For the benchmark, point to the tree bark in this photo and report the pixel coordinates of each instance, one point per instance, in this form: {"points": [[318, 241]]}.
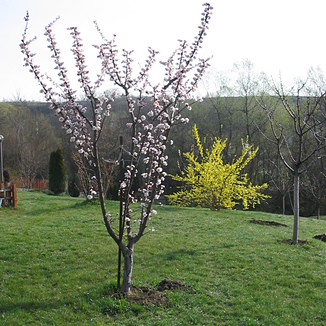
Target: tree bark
{"points": [[296, 208], [128, 256]]}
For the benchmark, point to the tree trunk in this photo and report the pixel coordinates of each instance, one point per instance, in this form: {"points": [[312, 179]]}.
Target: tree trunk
{"points": [[128, 256], [296, 208]]}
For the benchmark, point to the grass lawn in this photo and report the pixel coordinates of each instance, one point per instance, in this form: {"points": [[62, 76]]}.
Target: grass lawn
{"points": [[58, 267]]}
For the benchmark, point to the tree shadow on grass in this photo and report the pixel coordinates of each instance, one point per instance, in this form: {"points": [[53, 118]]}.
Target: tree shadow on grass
{"points": [[268, 223], [179, 254], [290, 242], [109, 300], [286, 241], [30, 306], [36, 211]]}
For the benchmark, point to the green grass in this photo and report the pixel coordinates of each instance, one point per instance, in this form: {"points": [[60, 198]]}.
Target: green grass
{"points": [[57, 266]]}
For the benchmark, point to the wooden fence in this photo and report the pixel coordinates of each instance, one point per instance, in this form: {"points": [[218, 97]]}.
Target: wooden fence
{"points": [[36, 184], [8, 195]]}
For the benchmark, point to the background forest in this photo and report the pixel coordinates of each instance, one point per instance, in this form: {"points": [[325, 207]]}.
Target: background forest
{"points": [[239, 106]]}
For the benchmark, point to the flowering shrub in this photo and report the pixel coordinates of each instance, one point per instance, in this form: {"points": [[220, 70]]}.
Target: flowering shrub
{"points": [[152, 109], [209, 182]]}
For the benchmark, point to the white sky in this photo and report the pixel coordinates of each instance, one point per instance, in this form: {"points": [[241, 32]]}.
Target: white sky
{"points": [[277, 36]]}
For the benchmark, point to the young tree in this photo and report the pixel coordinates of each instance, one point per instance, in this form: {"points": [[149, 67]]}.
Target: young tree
{"points": [[211, 183], [300, 136], [152, 110], [57, 173]]}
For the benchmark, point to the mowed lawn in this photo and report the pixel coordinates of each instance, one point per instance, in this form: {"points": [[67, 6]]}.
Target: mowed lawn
{"points": [[58, 266]]}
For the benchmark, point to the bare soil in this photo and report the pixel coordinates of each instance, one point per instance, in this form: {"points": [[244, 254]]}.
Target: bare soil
{"points": [[157, 296], [147, 297], [321, 237]]}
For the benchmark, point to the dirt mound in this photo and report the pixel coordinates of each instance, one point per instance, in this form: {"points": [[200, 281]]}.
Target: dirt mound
{"points": [[147, 296], [170, 285], [270, 223]]}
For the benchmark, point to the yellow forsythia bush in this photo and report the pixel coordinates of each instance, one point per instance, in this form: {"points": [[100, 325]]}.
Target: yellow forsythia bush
{"points": [[208, 182]]}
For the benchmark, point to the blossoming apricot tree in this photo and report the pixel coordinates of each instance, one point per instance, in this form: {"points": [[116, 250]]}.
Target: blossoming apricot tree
{"points": [[152, 109]]}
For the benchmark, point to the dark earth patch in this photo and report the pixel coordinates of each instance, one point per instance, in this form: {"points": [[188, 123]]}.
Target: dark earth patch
{"points": [[270, 223], [321, 237]]}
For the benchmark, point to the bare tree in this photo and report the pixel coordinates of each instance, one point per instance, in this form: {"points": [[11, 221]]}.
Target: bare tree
{"points": [[246, 87], [220, 98], [299, 130]]}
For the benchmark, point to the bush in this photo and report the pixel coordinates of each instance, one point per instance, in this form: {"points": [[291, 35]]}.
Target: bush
{"points": [[210, 182], [57, 173]]}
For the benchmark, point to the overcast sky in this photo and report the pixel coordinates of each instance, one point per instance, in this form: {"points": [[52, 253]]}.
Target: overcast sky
{"points": [[277, 36]]}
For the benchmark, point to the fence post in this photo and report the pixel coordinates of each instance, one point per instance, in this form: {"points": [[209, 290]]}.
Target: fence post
{"points": [[7, 194], [14, 195]]}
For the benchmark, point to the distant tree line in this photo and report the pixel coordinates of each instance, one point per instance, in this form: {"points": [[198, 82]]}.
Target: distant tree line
{"points": [[234, 110]]}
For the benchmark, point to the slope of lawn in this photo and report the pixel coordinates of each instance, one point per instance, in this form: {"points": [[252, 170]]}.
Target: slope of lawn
{"points": [[58, 267]]}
